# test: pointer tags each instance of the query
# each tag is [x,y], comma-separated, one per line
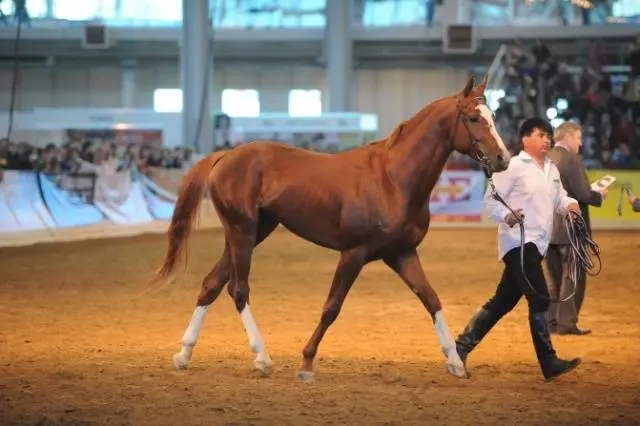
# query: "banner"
[159,201]
[121,199]
[609,208]
[67,208]
[458,196]
[118,136]
[21,206]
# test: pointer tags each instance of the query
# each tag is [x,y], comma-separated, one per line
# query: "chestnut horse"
[369,203]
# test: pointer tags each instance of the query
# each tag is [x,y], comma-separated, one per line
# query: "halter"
[476,154]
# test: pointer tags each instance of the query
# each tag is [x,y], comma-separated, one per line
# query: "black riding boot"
[478,327]
[551,365]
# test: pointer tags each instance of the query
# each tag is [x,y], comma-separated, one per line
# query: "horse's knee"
[329,315]
[240,296]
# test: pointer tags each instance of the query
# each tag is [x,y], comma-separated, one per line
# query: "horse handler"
[532,186]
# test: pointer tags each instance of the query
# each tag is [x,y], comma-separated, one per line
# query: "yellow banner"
[609,209]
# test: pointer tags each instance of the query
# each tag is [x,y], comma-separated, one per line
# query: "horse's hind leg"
[212,286]
[408,267]
[241,243]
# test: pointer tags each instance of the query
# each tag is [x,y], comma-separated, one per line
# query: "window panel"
[36,8]
[305,103]
[6,7]
[624,8]
[151,10]
[75,10]
[241,102]
[167,100]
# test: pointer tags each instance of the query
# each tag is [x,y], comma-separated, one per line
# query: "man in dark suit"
[633,200]
[563,316]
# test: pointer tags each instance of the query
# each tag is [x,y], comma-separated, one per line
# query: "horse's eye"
[474,119]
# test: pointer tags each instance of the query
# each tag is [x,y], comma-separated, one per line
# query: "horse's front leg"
[408,267]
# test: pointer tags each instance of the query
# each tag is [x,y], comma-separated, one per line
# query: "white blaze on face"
[487,115]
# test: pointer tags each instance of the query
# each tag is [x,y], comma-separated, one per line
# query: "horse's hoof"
[305,376]
[180,362]
[458,370]
[263,366]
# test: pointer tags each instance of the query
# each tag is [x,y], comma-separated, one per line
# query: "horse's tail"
[189,198]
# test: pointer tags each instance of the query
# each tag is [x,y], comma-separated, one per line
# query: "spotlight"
[562,104]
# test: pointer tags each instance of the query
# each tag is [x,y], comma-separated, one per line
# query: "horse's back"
[306,191]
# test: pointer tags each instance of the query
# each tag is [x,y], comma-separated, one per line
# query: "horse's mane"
[412,122]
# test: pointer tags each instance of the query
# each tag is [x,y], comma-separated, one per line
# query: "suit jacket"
[575,182]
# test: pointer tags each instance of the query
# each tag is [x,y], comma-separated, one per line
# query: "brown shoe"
[573,331]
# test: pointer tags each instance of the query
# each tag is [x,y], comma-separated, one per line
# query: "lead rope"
[582,247]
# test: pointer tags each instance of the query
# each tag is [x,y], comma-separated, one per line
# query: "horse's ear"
[483,85]
[469,87]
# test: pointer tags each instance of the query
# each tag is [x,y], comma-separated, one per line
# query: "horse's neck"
[419,152]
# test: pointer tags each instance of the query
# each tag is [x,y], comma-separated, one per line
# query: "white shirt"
[539,193]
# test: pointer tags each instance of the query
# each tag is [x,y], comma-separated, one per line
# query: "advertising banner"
[609,209]
[458,196]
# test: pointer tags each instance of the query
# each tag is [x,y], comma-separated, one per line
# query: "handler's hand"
[604,193]
[575,208]
[511,220]
[632,199]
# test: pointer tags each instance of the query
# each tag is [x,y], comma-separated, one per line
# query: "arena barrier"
[35,208]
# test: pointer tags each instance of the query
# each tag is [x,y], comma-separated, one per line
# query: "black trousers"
[513,286]
[564,314]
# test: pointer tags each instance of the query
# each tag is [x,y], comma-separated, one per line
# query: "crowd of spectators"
[77,157]
[606,105]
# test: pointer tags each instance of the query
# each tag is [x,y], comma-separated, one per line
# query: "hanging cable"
[16,70]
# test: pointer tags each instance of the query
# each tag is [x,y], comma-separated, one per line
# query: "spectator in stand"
[535,81]
[49,161]
[621,157]
[541,52]
[633,59]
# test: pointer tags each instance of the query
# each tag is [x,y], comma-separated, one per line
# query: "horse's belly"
[313,220]
[313,229]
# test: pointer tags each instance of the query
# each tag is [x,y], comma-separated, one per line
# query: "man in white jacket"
[531,186]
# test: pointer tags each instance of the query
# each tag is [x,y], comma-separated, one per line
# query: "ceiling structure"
[387,33]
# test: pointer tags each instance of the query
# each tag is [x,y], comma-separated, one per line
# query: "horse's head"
[475,132]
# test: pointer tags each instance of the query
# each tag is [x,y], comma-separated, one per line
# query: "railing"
[497,69]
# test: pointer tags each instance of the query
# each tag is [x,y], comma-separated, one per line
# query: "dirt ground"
[80,344]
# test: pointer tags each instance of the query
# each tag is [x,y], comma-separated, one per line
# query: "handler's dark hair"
[530,124]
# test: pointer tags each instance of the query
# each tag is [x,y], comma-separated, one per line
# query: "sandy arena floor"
[78,345]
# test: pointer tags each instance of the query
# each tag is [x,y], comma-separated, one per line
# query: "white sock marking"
[448,345]
[190,337]
[256,342]
[193,330]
